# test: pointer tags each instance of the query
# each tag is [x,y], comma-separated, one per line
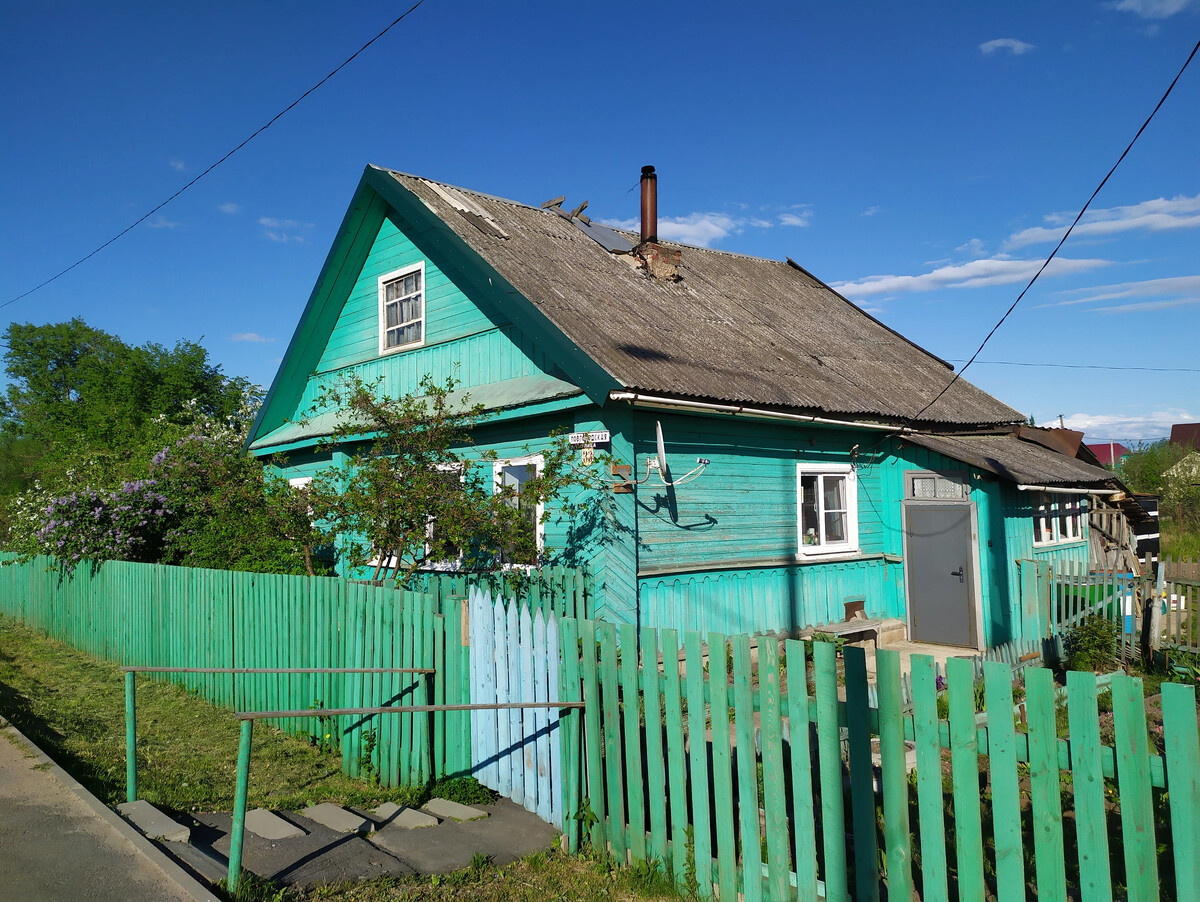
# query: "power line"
[260,130]
[1066,234]
[1086,366]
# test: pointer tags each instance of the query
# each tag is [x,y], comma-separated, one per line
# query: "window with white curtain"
[827,501]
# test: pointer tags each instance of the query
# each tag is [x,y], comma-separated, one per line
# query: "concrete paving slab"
[447,810]
[508,834]
[335,817]
[152,822]
[320,856]
[204,863]
[391,815]
[269,825]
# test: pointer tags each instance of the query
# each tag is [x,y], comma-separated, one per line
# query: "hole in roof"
[641,352]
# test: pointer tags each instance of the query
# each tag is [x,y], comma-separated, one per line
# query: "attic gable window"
[402,309]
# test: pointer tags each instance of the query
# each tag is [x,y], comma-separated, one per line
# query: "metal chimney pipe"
[649,204]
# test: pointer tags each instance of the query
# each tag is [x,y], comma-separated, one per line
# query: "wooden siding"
[771,599]
[449,314]
[743,507]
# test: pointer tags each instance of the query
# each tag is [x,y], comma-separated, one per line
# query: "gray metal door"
[940,577]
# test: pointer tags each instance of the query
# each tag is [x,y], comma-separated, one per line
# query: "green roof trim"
[497,396]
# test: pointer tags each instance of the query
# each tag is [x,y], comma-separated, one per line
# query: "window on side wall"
[402,309]
[512,476]
[439,553]
[1058,518]
[827,500]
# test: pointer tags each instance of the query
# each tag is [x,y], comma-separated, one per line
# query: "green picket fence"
[159,616]
[747,771]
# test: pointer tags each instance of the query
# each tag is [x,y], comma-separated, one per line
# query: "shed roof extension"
[733,329]
[1023,462]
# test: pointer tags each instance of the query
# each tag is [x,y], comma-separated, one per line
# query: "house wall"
[720,552]
[461,340]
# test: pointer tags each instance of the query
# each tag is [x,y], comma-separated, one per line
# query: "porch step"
[337,818]
[153,823]
[447,810]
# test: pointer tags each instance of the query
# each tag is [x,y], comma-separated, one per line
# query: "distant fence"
[1154,608]
[663,764]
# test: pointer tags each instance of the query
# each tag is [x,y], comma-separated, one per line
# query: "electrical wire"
[260,130]
[1066,235]
[1085,366]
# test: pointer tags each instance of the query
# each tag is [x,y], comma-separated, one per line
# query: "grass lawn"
[73,707]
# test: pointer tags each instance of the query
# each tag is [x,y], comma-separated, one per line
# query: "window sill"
[838,554]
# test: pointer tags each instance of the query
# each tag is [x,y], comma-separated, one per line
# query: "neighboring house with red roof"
[1110,454]
[1186,435]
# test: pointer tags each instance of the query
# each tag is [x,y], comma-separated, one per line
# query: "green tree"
[1146,463]
[412,496]
[83,400]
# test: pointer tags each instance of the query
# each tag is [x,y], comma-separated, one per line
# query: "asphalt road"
[55,848]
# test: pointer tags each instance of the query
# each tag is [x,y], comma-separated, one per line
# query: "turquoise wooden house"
[808,472]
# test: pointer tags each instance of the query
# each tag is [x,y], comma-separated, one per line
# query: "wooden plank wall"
[749,770]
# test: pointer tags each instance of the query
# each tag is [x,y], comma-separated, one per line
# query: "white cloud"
[272,223]
[1157,215]
[161,222]
[178,165]
[1175,285]
[1148,306]
[802,219]
[700,229]
[284,230]
[870,211]
[1012,45]
[1126,428]
[974,247]
[251,337]
[998,270]
[1152,9]
[230,208]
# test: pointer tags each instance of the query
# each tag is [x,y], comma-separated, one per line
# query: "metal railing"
[238,828]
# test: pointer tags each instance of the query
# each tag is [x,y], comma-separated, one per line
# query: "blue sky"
[923,158]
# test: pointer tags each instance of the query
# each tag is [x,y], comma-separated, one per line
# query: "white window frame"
[1049,509]
[850,546]
[539,527]
[384,280]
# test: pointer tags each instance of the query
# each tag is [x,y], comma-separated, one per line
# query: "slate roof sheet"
[1020,461]
[734,329]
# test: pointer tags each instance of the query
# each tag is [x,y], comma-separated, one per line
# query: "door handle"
[959,574]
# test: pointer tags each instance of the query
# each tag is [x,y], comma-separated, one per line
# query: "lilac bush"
[127,523]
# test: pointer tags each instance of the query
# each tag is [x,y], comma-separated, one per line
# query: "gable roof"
[734,328]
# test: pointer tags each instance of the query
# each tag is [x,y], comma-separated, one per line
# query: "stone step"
[269,825]
[206,865]
[447,810]
[153,823]
[335,817]
[390,815]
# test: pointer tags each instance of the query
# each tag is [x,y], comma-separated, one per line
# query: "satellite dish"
[663,472]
